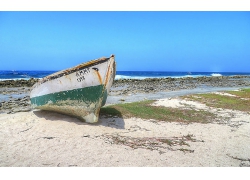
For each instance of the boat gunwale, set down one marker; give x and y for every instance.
(72, 70)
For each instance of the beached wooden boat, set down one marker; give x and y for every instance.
(79, 91)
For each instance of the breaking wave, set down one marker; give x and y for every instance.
(216, 74)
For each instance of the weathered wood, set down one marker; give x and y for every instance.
(78, 91)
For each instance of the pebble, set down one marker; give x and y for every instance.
(86, 135)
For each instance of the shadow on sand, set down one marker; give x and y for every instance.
(107, 120)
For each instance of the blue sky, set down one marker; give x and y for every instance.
(144, 40)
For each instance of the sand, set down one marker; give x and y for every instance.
(41, 138)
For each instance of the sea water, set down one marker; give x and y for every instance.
(164, 74)
(14, 75)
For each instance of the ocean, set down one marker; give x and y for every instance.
(14, 75)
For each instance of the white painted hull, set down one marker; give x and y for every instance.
(60, 91)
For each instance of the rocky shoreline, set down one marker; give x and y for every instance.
(18, 83)
(132, 86)
(14, 94)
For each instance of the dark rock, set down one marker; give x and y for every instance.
(18, 83)
(149, 85)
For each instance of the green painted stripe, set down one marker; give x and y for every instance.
(87, 95)
(105, 96)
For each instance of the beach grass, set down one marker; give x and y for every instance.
(145, 110)
(239, 102)
(243, 93)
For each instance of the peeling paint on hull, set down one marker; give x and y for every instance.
(80, 93)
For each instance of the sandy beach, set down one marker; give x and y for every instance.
(34, 138)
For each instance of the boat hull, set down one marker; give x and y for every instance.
(79, 91)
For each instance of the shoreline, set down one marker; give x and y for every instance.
(118, 99)
(14, 94)
(34, 138)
